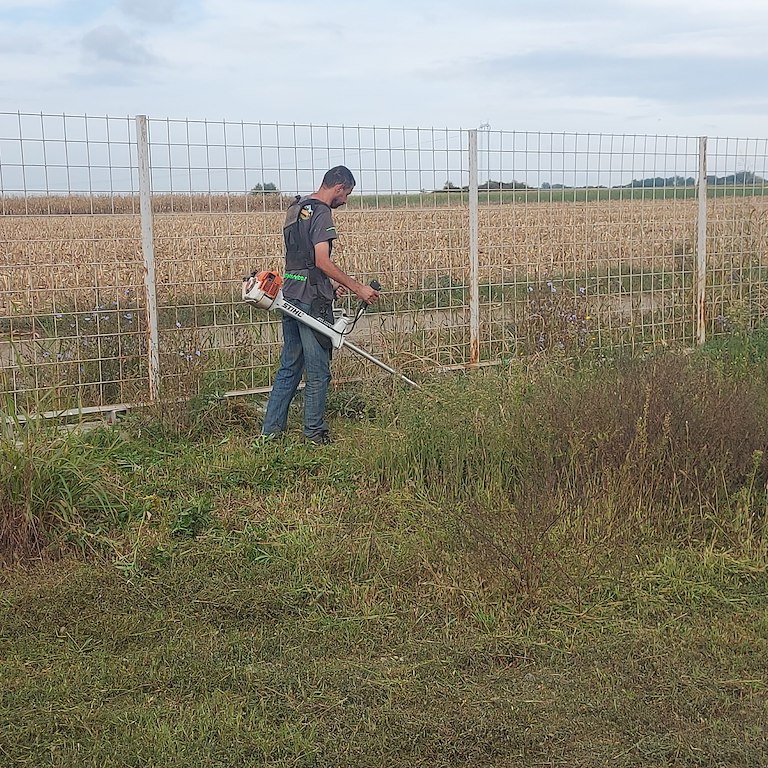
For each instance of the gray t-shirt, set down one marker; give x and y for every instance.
(316, 225)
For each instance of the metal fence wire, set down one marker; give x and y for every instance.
(125, 240)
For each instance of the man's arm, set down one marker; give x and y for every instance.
(327, 267)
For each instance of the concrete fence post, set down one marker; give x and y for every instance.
(700, 282)
(148, 249)
(474, 267)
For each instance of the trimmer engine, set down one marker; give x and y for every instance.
(262, 289)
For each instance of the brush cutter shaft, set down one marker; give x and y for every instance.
(335, 332)
(368, 356)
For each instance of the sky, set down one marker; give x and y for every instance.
(663, 67)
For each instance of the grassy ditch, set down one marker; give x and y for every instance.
(551, 564)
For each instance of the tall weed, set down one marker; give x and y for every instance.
(538, 466)
(59, 490)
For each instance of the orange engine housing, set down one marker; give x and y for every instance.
(269, 282)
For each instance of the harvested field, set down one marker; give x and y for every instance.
(88, 259)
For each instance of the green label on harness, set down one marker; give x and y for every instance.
(289, 276)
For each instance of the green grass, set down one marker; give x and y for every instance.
(58, 491)
(562, 563)
(215, 663)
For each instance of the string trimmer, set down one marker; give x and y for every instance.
(264, 291)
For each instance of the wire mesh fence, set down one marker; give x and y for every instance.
(737, 235)
(580, 241)
(594, 232)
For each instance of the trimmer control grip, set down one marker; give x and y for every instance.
(363, 306)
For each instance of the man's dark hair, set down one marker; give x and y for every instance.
(339, 174)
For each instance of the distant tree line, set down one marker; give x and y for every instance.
(260, 189)
(449, 186)
(742, 178)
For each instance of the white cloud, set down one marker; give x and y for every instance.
(151, 11)
(115, 44)
(557, 65)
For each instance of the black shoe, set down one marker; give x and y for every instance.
(321, 438)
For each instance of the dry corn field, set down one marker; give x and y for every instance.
(79, 261)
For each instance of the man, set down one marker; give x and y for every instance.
(312, 281)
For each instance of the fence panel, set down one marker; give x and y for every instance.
(221, 190)
(71, 293)
(736, 297)
(589, 240)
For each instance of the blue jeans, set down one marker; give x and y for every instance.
(302, 353)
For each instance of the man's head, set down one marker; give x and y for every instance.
(338, 182)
